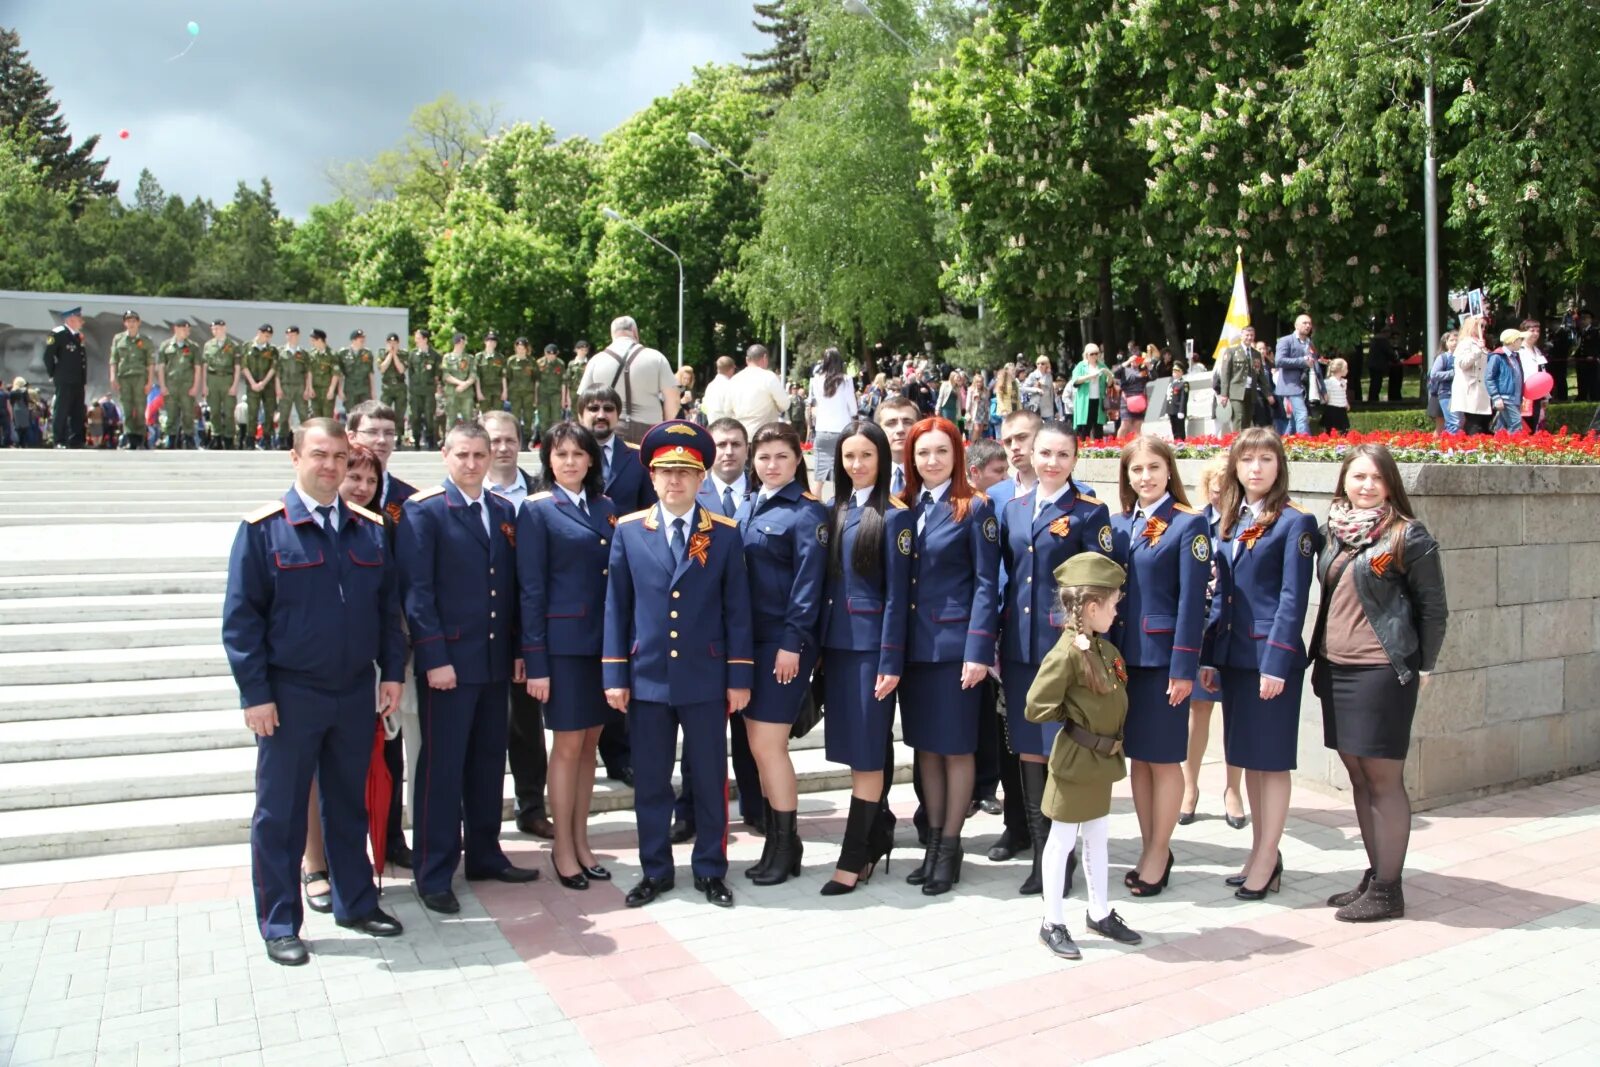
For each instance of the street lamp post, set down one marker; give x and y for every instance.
(861, 8)
(706, 146)
(614, 216)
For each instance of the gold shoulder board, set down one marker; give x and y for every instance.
(807, 494)
(634, 516)
(897, 502)
(265, 511)
(364, 513)
(426, 493)
(539, 496)
(723, 519)
(1184, 508)
(631, 445)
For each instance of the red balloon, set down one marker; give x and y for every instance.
(122, 134)
(1538, 385)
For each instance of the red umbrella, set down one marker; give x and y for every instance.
(379, 784)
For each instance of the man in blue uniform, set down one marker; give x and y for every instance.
(312, 603)
(457, 550)
(678, 652)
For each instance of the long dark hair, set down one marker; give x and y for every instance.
(1251, 440)
(594, 486)
(1401, 513)
(783, 434)
(832, 370)
(867, 559)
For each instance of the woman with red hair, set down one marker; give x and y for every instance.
(954, 617)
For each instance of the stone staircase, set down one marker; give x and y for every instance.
(120, 727)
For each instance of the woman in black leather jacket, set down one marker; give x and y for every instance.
(1378, 633)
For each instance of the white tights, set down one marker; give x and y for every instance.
(1053, 868)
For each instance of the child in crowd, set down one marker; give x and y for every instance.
(1336, 403)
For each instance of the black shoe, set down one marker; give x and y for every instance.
(508, 873)
(399, 855)
(856, 853)
(1003, 849)
(946, 870)
(681, 832)
(716, 891)
(1238, 822)
(647, 890)
(444, 902)
(625, 776)
(1382, 900)
(990, 806)
(761, 865)
(787, 851)
(1244, 892)
(537, 825)
(1234, 880)
(1113, 927)
(931, 841)
(318, 902)
(1151, 889)
(376, 922)
(289, 951)
(1350, 896)
(577, 881)
(1186, 817)
(1057, 940)
(598, 873)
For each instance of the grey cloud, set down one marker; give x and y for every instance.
(284, 88)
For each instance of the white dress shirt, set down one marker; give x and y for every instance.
(938, 492)
(718, 485)
(667, 519)
(311, 504)
(516, 492)
(1043, 499)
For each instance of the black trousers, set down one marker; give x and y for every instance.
(394, 757)
(991, 743)
(1588, 380)
(1395, 375)
(752, 805)
(615, 751)
(67, 414)
(525, 751)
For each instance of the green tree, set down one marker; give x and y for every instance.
(443, 137)
(316, 254)
(241, 257)
(777, 70)
(387, 264)
(27, 110)
(525, 169)
(37, 222)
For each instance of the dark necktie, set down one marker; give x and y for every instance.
(1140, 521)
(605, 464)
(583, 505)
(475, 511)
(325, 513)
(927, 498)
(727, 501)
(678, 546)
(898, 485)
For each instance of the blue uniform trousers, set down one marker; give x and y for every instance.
(460, 778)
(326, 736)
(752, 805)
(654, 728)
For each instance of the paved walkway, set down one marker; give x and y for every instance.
(156, 960)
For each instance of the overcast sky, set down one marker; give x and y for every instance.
(282, 88)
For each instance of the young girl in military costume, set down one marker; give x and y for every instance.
(1083, 685)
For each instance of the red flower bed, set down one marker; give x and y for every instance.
(1538, 449)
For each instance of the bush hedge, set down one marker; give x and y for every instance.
(1574, 416)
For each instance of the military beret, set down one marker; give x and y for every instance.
(392, 337)
(130, 314)
(583, 344)
(219, 322)
(181, 322)
(1090, 568)
(551, 350)
(358, 332)
(265, 327)
(458, 337)
(491, 336)
(425, 333)
(319, 335)
(292, 329)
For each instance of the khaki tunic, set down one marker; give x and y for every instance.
(1079, 789)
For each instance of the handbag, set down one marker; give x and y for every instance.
(1136, 404)
(810, 706)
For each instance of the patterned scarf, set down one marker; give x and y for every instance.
(1354, 527)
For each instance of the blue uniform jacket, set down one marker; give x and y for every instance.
(706, 496)
(1162, 617)
(394, 504)
(862, 615)
(460, 584)
(786, 555)
(1032, 549)
(562, 555)
(304, 604)
(1258, 613)
(677, 634)
(955, 584)
(629, 487)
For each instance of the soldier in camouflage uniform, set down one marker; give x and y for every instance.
(574, 379)
(355, 366)
(459, 379)
(294, 365)
(392, 374)
(422, 387)
(551, 375)
(324, 373)
(180, 369)
(490, 366)
(221, 357)
(133, 369)
(520, 386)
(260, 365)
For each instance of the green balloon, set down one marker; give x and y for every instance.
(194, 29)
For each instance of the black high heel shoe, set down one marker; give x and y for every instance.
(576, 881)
(1141, 888)
(857, 854)
(924, 872)
(1244, 892)
(946, 868)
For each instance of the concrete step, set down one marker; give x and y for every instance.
(107, 634)
(100, 608)
(115, 664)
(146, 584)
(74, 700)
(137, 824)
(58, 518)
(21, 567)
(159, 733)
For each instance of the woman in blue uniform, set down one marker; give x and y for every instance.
(955, 564)
(863, 639)
(1167, 548)
(1253, 640)
(563, 548)
(1039, 531)
(786, 556)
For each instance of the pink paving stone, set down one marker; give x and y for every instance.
(75, 905)
(634, 936)
(710, 1005)
(1088, 1040)
(778, 1054)
(209, 876)
(23, 910)
(140, 898)
(27, 894)
(134, 882)
(100, 887)
(693, 978)
(189, 894)
(1238, 993)
(620, 1025)
(681, 1046)
(570, 973)
(736, 1033)
(645, 961)
(600, 998)
(842, 1044)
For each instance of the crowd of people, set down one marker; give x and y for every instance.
(693, 583)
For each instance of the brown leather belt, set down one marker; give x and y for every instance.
(1105, 746)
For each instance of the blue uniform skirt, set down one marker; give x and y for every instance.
(1202, 694)
(770, 701)
(1155, 731)
(857, 727)
(1260, 735)
(936, 714)
(577, 695)
(1025, 738)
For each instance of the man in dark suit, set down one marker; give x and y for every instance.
(67, 362)
(599, 408)
(458, 558)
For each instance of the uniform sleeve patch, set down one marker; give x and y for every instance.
(1306, 545)
(1105, 539)
(903, 542)
(991, 529)
(822, 534)
(1200, 548)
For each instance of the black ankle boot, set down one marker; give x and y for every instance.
(1382, 900)
(767, 846)
(783, 834)
(1350, 896)
(1033, 779)
(921, 875)
(856, 853)
(946, 867)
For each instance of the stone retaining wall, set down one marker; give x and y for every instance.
(1516, 696)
